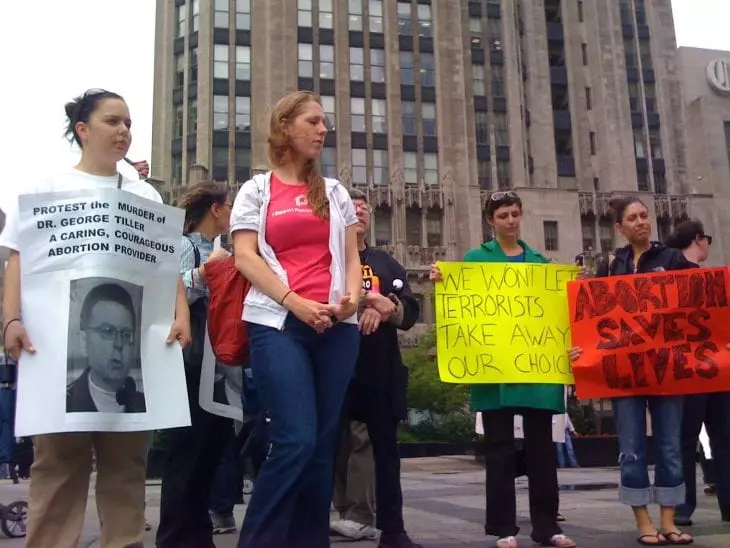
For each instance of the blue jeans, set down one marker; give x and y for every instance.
(666, 424)
(567, 446)
(301, 379)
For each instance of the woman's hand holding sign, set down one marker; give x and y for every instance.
(16, 338)
(435, 274)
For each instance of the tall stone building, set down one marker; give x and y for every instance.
(432, 105)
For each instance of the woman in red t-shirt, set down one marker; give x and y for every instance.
(294, 239)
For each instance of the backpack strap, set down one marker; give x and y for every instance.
(120, 180)
(196, 251)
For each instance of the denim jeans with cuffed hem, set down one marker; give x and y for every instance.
(666, 423)
(301, 378)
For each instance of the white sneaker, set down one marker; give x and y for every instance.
(354, 530)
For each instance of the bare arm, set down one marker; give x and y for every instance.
(11, 288)
(181, 301)
(353, 268)
(250, 264)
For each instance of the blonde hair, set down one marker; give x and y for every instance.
(280, 151)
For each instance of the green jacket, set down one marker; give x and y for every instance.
(488, 397)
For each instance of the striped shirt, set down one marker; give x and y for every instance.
(194, 286)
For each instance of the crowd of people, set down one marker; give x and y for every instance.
(323, 315)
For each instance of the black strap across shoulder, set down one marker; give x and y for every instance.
(119, 182)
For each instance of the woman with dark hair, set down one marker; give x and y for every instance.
(499, 403)
(295, 239)
(642, 255)
(99, 123)
(194, 452)
(711, 409)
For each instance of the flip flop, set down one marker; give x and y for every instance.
(660, 539)
(674, 538)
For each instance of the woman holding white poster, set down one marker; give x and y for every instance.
(99, 122)
(499, 403)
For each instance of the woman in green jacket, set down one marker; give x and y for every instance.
(499, 403)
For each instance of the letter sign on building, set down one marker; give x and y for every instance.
(718, 76)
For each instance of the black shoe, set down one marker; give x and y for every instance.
(561, 517)
(710, 490)
(682, 521)
(396, 540)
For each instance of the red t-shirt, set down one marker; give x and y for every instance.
(300, 240)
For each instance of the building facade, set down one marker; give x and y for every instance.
(433, 105)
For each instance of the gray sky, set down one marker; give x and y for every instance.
(57, 49)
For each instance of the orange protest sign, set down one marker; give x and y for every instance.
(663, 333)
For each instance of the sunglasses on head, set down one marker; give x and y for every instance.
(503, 195)
(93, 91)
(706, 237)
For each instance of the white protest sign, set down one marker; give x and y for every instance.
(99, 282)
(220, 386)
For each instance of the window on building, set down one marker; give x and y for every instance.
(434, 227)
(478, 84)
(178, 123)
(220, 61)
(304, 13)
(220, 163)
(377, 65)
(181, 26)
(645, 51)
(328, 105)
(220, 14)
(634, 103)
(326, 14)
(405, 19)
(359, 166)
(596, 184)
(192, 116)
(357, 114)
(630, 53)
(482, 127)
(192, 159)
(406, 67)
(550, 228)
(243, 114)
(196, 15)
(484, 174)
(381, 173)
(655, 144)
(379, 116)
(475, 32)
(498, 81)
(179, 71)
(220, 112)
(606, 235)
(588, 232)
(650, 95)
(427, 69)
(243, 63)
(410, 168)
(504, 178)
(584, 53)
(408, 117)
(589, 99)
(428, 119)
(177, 169)
(357, 64)
(501, 129)
(304, 57)
(193, 60)
(383, 223)
(243, 14)
(327, 62)
(375, 21)
(425, 22)
(414, 227)
(592, 137)
(580, 11)
(660, 184)
(328, 162)
(494, 34)
(354, 9)
(430, 169)
(639, 148)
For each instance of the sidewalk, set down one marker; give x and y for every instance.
(444, 500)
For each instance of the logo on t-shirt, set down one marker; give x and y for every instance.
(370, 282)
(301, 200)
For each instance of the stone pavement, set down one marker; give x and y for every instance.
(444, 500)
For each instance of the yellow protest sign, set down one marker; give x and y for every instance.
(503, 323)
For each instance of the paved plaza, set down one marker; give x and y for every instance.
(444, 500)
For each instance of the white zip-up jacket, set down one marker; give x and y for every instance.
(249, 213)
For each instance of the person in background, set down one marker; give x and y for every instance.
(499, 403)
(567, 446)
(707, 464)
(354, 492)
(711, 409)
(378, 392)
(642, 255)
(194, 451)
(294, 238)
(99, 122)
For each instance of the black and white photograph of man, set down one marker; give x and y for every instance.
(104, 365)
(228, 385)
